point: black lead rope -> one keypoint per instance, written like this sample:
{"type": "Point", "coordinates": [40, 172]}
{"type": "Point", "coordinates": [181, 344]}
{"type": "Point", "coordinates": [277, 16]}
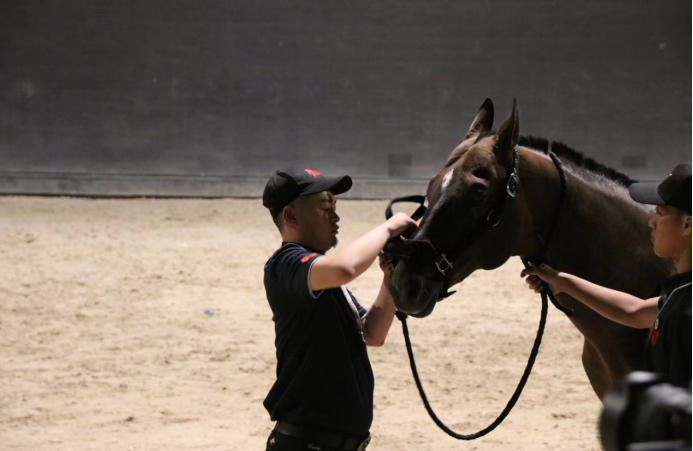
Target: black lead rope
{"type": "Point", "coordinates": [511, 403]}
{"type": "Point", "coordinates": [561, 200]}
{"type": "Point", "coordinates": [546, 294]}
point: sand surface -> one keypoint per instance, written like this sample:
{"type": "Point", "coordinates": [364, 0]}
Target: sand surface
{"type": "Point", "coordinates": [143, 325]}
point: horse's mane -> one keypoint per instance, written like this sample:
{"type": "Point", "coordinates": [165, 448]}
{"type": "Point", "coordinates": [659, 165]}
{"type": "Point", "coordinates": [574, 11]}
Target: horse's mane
{"type": "Point", "coordinates": [577, 159]}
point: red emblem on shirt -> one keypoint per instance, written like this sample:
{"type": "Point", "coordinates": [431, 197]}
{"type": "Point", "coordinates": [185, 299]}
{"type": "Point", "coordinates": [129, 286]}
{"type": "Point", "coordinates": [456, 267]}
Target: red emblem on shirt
{"type": "Point", "coordinates": [308, 257]}
{"type": "Point", "coordinates": [654, 335]}
{"type": "Point", "coordinates": [312, 172]}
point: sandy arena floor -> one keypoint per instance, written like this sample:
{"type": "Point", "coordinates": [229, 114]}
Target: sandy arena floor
{"type": "Point", "coordinates": [142, 325]}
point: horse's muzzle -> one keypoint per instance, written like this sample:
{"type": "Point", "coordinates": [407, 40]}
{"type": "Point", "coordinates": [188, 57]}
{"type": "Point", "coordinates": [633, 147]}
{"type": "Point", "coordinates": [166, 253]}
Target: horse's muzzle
{"type": "Point", "coordinates": [412, 293]}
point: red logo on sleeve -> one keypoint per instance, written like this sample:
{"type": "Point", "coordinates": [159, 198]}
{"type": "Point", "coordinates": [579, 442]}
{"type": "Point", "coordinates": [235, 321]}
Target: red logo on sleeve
{"type": "Point", "coordinates": [308, 257]}
{"type": "Point", "coordinates": [312, 172]}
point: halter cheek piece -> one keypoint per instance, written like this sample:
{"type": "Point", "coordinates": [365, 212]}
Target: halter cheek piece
{"type": "Point", "coordinates": [494, 216]}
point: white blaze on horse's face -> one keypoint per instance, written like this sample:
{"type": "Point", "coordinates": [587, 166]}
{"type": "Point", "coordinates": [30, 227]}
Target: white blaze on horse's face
{"type": "Point", "coordinates": [447, 179]}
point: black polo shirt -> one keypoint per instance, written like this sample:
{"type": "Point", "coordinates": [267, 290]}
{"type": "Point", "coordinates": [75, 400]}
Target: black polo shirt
{"type": "Point", "coordinates": [669, 343]}
{"type": "Point", "coordinates": [324, 377]}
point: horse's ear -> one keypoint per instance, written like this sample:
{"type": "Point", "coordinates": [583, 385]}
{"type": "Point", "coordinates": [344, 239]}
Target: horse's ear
{"type": "Point", "coordinates": [483, 121]}
{"type": "Point", "coordinates": [508, 136]}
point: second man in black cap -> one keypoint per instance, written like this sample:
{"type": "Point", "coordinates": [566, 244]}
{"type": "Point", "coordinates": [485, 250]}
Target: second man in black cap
{"type": "Point", "coordinates": [668, 316]}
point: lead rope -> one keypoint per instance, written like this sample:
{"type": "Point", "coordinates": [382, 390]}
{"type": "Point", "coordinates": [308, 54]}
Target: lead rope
{"type": "Point", "coordinates": [546, 294]}
{"type": "Point", "coordinates": [518, 391]}
{"type": "Point", "coordinates": [561, 200]}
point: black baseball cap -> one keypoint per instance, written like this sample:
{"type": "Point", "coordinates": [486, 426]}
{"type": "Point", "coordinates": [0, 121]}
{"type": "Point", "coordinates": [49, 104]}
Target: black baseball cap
{"type": "Point", "coordinates": [675, 190]}
{"type": "Point", "coordinates": [289, 184]}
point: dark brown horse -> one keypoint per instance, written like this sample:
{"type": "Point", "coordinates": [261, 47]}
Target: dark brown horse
{"type": "Point", "coordinates": [600, 235]}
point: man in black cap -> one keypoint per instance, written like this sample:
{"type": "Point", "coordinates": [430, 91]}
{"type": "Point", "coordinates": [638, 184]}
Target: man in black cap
{"type": "Point", "coordinates": [323, 396]}
{"type": "Point", "coordinates": [669, 316]}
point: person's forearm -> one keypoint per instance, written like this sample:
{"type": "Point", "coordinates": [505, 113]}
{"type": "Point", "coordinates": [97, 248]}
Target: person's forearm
{"type": "Point", "coordinates": [359, 255]}
{"type": "Point", "coordinates": [379, 318]}
{"type": "Point", "coordinates": [615, 305]}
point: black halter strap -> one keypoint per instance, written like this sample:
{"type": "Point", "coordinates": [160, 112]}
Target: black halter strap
{"type": "Point", "coordinates": [418, 213]}
{"type": "Point", "coordinates": [561, 201]}
{"type": "Point", "coordinates": [546, 291]}
{"type": "Point", "coordinates": [511, 185]}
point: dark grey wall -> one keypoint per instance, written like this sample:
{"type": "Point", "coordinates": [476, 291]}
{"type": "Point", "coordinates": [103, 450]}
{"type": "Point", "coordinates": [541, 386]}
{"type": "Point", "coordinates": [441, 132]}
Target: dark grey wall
{"type": "Point", "coordinates": [209, 97]}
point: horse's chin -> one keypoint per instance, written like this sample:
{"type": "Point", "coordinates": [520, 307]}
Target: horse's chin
{"type": "Point", "coordinates": [428, 309]}
{"type": "Point", "coordinates": [414, 297]}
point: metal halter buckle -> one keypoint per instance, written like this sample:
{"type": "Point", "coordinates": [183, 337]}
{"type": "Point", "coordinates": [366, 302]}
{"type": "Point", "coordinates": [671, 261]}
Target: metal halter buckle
{"type": "Point", "coordinates": [445, 261]}
{"type": "Point", "coordinates": [493, 218]}
{"type": "Point", "coordinates": [513, 183]}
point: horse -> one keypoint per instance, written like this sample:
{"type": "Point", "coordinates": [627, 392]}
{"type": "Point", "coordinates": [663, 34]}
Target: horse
{"type": "Point", "coordinates": [591, 229]}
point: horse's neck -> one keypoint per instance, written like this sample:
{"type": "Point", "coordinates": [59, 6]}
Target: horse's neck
{"type": "Point", "coordinates": [601, 235]}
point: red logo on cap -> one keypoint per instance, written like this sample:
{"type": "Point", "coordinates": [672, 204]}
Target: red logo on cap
{"type": "Point", "coordinates": [312, 172]}
{"type": "Point", "coordinates": [308, 257]}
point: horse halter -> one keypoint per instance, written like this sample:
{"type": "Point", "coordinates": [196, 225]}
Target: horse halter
{"type": "Point", "coordinates": [442, 261]}
{"type": "Point", "coordinates": [493, 218]}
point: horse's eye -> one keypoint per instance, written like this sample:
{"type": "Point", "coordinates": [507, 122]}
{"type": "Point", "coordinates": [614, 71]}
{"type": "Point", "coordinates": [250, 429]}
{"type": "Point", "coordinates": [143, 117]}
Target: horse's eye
{"type": "Point", "coordinates": [478, 192]}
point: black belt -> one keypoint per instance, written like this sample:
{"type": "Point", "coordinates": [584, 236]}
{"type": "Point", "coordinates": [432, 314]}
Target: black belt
{"type": "Point", "coordinates": [343, 442]}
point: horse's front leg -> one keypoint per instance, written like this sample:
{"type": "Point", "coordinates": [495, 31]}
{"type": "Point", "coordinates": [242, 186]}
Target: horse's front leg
{"type": "Point", "coordinates": [597, 370]}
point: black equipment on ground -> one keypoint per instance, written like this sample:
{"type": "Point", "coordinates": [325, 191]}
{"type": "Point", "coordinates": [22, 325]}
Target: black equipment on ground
{"type": "Point", "coordinates": [645, 413]}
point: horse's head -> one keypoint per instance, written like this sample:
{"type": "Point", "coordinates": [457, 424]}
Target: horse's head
{"type": "Point", "coordinates": [459, 223]}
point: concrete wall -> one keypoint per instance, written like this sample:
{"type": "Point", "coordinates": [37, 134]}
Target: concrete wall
{"type": "Point", "coordinates": [209, 97]}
